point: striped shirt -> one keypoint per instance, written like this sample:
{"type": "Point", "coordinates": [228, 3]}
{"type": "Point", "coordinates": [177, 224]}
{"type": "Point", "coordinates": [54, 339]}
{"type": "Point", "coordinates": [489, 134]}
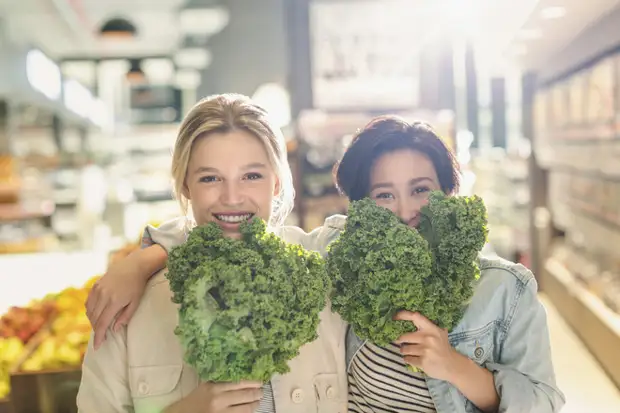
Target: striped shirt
{"type": "Point", "coordinates": [267, 403]}
{"type": "Point", "coordinates": [379, 382]}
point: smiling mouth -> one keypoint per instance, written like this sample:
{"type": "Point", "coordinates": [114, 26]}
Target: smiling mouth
{"type": "Point", "coordinates": [234, 218]}
{"type": "Point", "coordinates": [414, 222]}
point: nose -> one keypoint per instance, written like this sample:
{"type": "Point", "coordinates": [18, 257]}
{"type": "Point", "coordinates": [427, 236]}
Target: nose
{"type": "Point", "coordinates": [232, 194]}
{"type": "Point", "coordinates": [408, 208]}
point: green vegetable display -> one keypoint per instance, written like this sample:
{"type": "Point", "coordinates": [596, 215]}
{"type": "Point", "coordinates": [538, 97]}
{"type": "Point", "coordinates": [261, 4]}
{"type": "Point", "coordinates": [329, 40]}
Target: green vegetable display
{"type": "Point", "coordinates": [380, 266]}
{"type": "Point", "coordinates": [246, 306]}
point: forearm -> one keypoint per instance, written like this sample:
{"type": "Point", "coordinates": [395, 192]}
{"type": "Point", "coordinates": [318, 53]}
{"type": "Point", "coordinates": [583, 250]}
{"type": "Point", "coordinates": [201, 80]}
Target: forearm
{"type": "Point", "coordinates": [476, 383]}
{"type": "Point", "coordinates": [150, 260]}
{"type": "Point", "coordinates": [174, 408]}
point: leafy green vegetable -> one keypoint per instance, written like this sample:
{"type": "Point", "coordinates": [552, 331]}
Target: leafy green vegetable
{"type": "Point", "coordinates": [246, 306]}
{"type": "Point", "coordinates": [380, 265]}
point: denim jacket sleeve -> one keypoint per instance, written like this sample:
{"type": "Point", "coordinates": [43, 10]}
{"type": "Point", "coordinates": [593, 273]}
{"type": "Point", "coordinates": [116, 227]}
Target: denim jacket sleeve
{"type": "Point", "coordinates": [524, 375]}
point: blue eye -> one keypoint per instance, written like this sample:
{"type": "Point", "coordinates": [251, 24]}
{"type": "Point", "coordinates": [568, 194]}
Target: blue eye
{"type": "Point", "coordinates": [421, 190]}
{"type": "Point", "coordinates": [209, 178]}
{"type": "Point", "coordinates": [252, 176]}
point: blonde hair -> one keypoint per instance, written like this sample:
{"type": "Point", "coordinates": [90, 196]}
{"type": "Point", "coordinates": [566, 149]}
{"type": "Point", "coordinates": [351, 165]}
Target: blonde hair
{"type": "Point", "coordinates": [225, 113]}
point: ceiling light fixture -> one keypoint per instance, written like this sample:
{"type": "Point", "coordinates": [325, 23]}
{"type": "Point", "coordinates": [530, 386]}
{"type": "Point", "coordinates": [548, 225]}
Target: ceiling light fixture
{"type": "Point", "coordinates": [202, 17]}
{"type": "Point", "coordinates": [135, 73]}
{"type": "Point", "coordinates": [118, 28]}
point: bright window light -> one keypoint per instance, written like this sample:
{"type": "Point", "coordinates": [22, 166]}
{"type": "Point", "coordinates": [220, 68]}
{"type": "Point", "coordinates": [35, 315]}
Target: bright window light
{"type": "Point", "coordinates": [78, 98]}
{"type": "Point", "coordinates": [193, 58]}
{"type": "Point", "coordinates": [188, 79]}
{"type": "Point", "coordinates": [553, 12]}
{"type": "Point", "coordinates": [43, 74]}
{"type": "Point", "coordinates": [276, 100]}
{"type": "Point", "coordinates": [203, 21]}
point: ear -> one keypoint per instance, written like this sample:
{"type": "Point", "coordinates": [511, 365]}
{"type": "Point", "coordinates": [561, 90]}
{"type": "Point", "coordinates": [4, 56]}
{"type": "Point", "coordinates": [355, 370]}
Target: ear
{"type": "Point", "coordinates": [277, 187]}
{"type": "Point", "coordinates": [185, 191]}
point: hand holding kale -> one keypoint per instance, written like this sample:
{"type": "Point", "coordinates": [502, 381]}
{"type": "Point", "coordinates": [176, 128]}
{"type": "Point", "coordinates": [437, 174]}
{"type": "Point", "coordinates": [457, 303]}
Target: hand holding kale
{"type": "Point", "coordinates": [246, 306]}
{"type": "Point", "coordinates": [380, 265]}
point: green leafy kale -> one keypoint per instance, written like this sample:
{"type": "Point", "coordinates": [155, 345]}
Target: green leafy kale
{"type": "Point", "coordinates": [380, 266]}
{"type": "Point", "coordinates": [246, 306]}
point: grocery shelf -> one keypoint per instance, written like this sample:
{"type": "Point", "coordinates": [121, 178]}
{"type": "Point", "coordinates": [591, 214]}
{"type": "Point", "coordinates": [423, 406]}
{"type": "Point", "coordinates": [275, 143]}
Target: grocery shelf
{"type": "Point", "coordinates": [17, 212]}
{"type": "Point", "coordinates": [595, 323]}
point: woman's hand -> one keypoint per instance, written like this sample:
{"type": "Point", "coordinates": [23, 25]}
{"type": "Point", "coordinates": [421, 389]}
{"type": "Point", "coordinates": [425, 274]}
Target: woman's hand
{"type": "Point", "coordinates": [243, 397]}
{"type": "Point", "coordinates": [428, 348]}
{"type": "Point", "coordinates": [116, 294]}
{"type": "Point", "coordinates": [119, 291]}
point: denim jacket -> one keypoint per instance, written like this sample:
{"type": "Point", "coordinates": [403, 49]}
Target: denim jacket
{"type": "Point", "coordinates": [504, 329]}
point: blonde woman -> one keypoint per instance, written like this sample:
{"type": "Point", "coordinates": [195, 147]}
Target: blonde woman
{"type": "Point", "coordinates": [229, 162]}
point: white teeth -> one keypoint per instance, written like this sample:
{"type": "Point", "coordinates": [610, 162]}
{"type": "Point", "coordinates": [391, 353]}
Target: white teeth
{"type": "Point", "coordinates": [233, 218]}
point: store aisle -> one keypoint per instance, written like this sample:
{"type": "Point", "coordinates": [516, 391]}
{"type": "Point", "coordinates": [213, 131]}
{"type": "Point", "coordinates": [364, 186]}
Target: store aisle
{"type": "Point", "coordinates": [580, 377]}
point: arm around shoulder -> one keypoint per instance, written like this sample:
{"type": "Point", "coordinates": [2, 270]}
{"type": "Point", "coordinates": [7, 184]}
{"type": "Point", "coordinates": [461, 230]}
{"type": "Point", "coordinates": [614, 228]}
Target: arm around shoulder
{"type": "Point", "coordinates": [168, 235]}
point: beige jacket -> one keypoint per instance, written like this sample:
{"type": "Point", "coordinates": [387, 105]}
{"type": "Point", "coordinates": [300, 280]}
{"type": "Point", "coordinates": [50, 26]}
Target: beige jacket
{"type": "Point", "coordinates": [140, 369]}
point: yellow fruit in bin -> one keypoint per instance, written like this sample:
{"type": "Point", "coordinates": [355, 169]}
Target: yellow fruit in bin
{"type": "Point", "coordinates": [89, 284]}
{"type": "Point", "coordinates": [34, 363]}
{"type": "Point", "coordinates": [5, 387]}
{"type": "Point", "coordinates": [68, 355]}
{"type": "Point", "coordinates": [10, 350]}
{"type": "Point", "coordinates": [47, 349]}
{"type": "Point", "coordinates": [72, 300]}
{"type": "Point", "coordinates": [82, 323]}
{"type": "Point", "coordinates": [76, 338]}
{"type": "Point", "coordinates": [62, 323]}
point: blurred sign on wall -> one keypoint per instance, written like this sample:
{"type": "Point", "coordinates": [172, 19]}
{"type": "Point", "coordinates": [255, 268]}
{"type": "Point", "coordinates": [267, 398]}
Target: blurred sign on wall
{"type": "Point", "coordinates": [364, 54]}
{"type": "Point", "coordinates": [152, 104]}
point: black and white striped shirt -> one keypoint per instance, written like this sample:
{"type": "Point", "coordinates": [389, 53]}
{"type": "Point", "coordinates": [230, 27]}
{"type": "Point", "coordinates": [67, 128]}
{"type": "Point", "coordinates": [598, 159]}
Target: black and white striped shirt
{"type": "Point", "coordinates": [267, 403]}
{"type": "Point", "coordinates": [379, 382]}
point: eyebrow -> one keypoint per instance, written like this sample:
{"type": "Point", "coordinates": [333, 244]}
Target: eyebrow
{"type": "Point", "coordinates": [414, 181]}
{"type": "Point", "coordinates": [254, 165]}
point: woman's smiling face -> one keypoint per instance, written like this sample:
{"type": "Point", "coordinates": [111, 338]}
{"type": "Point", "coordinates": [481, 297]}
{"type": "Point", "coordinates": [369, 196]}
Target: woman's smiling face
{"type": "Point", "coordinates": [401, 181]}
{"type": "Point", "coordinates": [229, 180]}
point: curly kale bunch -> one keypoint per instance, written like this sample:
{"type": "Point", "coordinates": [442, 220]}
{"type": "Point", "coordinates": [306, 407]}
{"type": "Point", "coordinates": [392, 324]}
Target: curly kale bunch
{"type": "Point", "coordinates": [380, 266]}
{"type": "Point", "coordinates": [246, 306]}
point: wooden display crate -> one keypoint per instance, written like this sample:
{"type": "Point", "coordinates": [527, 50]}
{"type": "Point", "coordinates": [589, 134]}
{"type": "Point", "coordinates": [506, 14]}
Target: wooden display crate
{"type": "Point", "coordinates": [5, 406]}
{"type": "Point", "coordinates": [45, 391]}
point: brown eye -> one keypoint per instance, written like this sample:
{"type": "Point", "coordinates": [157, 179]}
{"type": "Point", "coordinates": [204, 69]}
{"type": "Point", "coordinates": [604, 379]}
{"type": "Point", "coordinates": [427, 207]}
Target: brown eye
{"type": "Point", "coordinates": [421, 190]}
{"type": "Point", "coordinates": [384, 195]}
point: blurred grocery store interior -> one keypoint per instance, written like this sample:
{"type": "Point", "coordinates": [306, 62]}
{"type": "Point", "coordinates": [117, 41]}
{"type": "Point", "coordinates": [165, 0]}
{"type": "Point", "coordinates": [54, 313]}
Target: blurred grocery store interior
{"type": "Point", "coordinates": [527, 93]}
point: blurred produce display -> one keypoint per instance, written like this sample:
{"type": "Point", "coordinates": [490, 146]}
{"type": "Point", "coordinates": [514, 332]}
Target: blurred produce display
{"type": "Point", "coordinates": [48, 334]}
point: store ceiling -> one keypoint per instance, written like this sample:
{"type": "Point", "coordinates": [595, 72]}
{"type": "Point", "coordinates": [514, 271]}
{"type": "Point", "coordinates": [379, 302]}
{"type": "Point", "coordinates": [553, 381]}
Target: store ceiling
{"type": "Point", "coordinates": [541, 40]}
{"type": "Point", "coordinates": [68, 28]}
{"type": "Point", "coordinates": [65, 28]}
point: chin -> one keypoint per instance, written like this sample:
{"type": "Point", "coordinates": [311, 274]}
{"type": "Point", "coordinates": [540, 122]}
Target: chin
{"type": "Point", "coordinates": [233, 235]}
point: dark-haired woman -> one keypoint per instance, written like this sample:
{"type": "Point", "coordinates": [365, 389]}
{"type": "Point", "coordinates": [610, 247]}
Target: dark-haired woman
{"type": "Point", "coordinates": [498, 357]}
